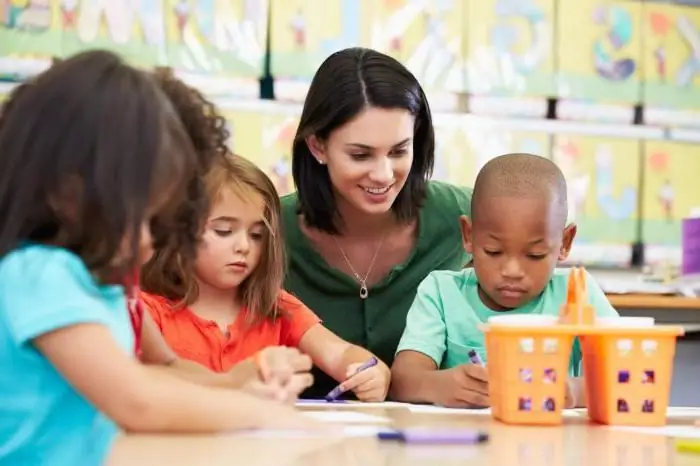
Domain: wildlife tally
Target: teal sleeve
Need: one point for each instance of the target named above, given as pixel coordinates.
(425, 330)
(44, 289)
(603, 308)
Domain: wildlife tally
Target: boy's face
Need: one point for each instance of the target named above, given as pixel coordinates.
(516, 244)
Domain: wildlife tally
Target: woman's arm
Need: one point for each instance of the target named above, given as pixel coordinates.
(340, 359)
(145, 399)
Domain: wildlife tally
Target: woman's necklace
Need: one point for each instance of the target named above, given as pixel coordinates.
(364, 291)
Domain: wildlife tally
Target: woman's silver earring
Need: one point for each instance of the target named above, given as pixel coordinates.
(321, 162)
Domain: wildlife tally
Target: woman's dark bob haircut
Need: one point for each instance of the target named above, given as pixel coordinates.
(346, 83)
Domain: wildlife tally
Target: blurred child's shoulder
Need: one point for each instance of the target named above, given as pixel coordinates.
(560, 277)
(30, 260)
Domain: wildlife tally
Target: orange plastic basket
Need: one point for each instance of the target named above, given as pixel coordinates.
(628, 374)
(528, 370)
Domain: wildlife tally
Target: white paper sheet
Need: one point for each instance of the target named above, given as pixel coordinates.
(346, 417)
(346, 431)
(691, 432)
(350, 404)
(431, 409)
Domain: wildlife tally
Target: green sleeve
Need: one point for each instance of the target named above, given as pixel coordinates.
(603, 308)
(425, 329)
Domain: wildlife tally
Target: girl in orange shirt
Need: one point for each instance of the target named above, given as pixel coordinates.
(226, 304)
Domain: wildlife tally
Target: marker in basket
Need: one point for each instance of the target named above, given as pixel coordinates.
(474, 358)
(435, 437)
(337, 391)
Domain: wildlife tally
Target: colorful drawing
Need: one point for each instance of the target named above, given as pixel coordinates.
(221, 37)
(603, 179)
(599, 50)
(670, 190)
(671, 56)
(305, 32)
(265, 136)
(510, 47)
(30, 28)
(428, 37)
(132, 28)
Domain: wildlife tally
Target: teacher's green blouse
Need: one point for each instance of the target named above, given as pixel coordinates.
(375, 323)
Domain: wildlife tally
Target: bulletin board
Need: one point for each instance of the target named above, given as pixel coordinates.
(427, 37)
(265, 137)
(220, 37)
(510, 47)
(603, 176)
(670, 56)
(305, 32)
(670, 190)
(31, 28)
(601, 61)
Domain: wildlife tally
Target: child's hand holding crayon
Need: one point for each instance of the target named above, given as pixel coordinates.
(464, 386)
(369, 381)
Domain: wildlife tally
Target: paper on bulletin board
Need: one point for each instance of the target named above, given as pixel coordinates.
(426, 36)
(217, 37)
(599, 50)
(31, 29)
(305, 32)
(510, 47)
(134, 29)
(671, 56)
(602, 176)
(670, 191)
(265, 136)
(487, 140)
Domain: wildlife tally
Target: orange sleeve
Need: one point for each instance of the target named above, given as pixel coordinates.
(297, 319)
(155, 306)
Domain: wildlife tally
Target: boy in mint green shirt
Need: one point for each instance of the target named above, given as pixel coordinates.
(517, 234)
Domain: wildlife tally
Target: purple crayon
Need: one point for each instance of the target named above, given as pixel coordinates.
(474, 358)
(435, 437)
(337, 391)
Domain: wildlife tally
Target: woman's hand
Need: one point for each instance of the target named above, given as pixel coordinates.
(371, 384)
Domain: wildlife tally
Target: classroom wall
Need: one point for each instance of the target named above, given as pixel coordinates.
(628, 185)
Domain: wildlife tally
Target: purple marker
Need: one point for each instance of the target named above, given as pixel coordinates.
(337, 391)
(435, 437)
(315, 401)
(474, 358)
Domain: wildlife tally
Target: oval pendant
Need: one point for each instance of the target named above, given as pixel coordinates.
(364, 292)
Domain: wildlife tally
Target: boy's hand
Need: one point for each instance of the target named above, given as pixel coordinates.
(370, 384)
(465, 386)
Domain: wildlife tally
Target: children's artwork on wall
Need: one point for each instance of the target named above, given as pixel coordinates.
(427, 37)
(488, 140)
(603, 177)
(265, 136)
(671, 56)
(133, 28)
(510, 47)
(599, 50)
(30, 29)
(220, 37)
(305, 32)
(670, 190)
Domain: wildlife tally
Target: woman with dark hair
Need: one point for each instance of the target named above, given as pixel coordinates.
(365, 225)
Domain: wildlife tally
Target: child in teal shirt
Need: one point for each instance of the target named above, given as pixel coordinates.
(517, 235)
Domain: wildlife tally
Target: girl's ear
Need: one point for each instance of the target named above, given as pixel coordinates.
(317, 149)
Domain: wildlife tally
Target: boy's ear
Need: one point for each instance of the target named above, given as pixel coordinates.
(568, 240)
(466, 226)
(317, 149)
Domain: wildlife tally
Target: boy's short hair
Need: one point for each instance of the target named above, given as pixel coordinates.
(520, 175)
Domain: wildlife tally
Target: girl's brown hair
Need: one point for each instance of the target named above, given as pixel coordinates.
(87, 147)
(208, 133)
(260, 291)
